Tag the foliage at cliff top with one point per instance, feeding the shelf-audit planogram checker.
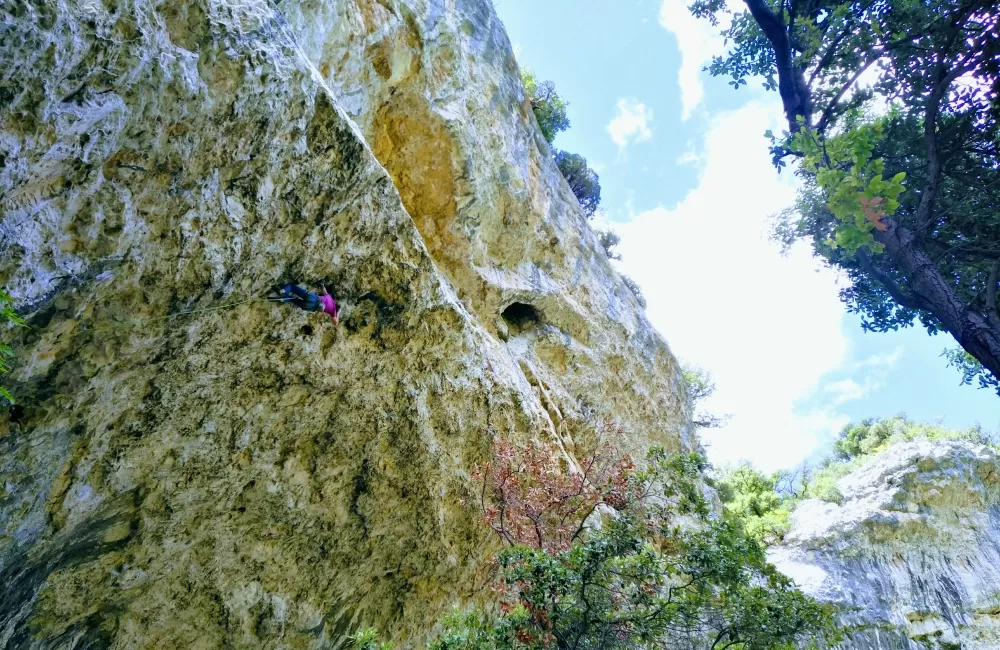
(550, 113)
(8, 319)
(609, 556)
(609, 240)
(903, 199)
(549, 108)
(582, 180)
(765, 501)
(755, 497)
(701, 386)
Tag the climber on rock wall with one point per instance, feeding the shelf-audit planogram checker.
(309, 301)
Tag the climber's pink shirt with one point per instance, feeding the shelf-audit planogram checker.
(329, 305)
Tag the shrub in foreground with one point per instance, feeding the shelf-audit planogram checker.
(649, 566)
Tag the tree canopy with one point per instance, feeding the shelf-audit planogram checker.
(550, 113)
(764, 502)
(892, 111)
(582, 180)
(661, 572)
(755, 498)
(549, 108)
(701, 386)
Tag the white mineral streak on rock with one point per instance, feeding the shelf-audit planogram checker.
(250, 476)
(912, 552)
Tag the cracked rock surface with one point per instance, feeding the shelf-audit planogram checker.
(913, 551)
(190, 466)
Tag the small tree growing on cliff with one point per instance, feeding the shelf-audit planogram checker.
(8, 318)
(700, 387)
(550, 113)
(367, 639)
(583, 180)
(636, 290)
(609, 240)
(549, 108)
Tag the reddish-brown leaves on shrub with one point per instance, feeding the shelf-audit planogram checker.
(530, 495)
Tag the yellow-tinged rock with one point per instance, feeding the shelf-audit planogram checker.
(194, 467)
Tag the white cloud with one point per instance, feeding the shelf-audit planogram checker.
(631, 122)
(697, 41)
(873, 372)
(689, 157)
(768, 327)
(884, 361)
(845, 390)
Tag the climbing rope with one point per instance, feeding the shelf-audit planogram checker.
(198, 311)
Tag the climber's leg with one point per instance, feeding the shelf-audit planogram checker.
(301, 298)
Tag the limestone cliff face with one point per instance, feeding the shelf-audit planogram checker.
(912, 553)
(247, 475)
(435, 89)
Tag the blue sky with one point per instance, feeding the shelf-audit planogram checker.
(686, 182)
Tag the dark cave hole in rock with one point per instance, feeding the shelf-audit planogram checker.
(521, 316)
(306, 329)
(16, 413)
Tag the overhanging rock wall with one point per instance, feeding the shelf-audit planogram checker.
(249, 476)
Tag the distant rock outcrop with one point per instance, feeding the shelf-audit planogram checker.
(913, 551)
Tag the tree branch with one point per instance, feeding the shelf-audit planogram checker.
(830, 51)
(723, 633)
(791, 84)
(933, 288)
(583, 523)
(828, 113)
(926, 206)
(904, 299)
(962, 248)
